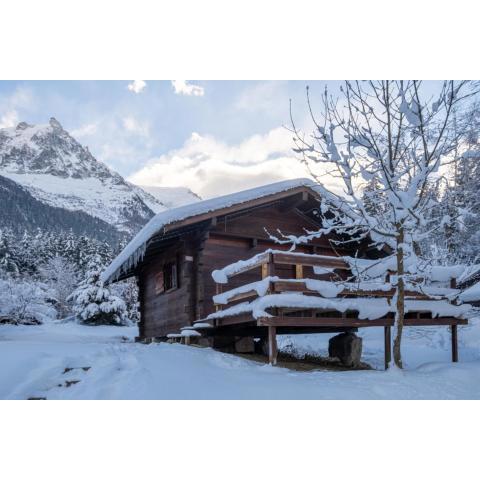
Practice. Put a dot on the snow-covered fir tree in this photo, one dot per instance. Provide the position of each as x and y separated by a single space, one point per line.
94 303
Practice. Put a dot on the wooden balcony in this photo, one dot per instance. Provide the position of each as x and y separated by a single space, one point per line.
337 312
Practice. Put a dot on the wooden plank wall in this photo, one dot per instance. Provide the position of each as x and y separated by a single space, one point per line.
228 240
167 312
220 250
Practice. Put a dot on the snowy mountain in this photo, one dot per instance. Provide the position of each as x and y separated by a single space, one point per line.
172 197
22 212
58 171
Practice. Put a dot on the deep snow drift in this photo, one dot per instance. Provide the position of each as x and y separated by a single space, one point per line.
45 361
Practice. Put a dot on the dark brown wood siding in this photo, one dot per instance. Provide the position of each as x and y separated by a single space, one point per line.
226 240
167 312
231 240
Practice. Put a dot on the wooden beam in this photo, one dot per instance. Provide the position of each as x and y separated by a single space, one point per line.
234 320
454 343
425 322
310 261
276 321
272 345
388 345
242 296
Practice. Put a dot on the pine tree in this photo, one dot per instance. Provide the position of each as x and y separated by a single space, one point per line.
94 303
8 257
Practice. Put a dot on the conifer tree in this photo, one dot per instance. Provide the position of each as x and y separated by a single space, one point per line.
94 303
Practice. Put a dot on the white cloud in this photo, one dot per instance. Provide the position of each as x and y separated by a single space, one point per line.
10 105
85 130
211 167
136 127
264 97
9 119
137 86
182 87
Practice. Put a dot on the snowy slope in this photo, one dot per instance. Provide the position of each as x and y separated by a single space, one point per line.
60 172
42 359
172 197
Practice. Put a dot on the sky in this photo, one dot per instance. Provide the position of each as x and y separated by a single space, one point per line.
214 137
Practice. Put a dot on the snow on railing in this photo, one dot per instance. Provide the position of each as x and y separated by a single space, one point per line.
367 308
281 257
371 297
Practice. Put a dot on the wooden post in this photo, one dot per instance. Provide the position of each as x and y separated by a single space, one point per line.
454 343
298 271
268 269
219 289
388 345
272 345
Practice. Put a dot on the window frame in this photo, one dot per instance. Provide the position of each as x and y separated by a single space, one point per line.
170 274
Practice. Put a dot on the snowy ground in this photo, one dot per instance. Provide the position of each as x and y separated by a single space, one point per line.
34 360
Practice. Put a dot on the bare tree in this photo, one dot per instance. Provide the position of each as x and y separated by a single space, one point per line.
62 275
388 131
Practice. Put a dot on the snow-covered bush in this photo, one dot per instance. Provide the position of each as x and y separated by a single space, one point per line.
128 291
94 303
24 301
61 275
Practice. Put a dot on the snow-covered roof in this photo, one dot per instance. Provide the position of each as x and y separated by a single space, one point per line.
135 250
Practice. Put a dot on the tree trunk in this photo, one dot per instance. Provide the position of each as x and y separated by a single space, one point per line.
400 315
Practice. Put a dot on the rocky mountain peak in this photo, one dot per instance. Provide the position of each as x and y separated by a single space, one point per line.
58 171
54 123
48 149
23 126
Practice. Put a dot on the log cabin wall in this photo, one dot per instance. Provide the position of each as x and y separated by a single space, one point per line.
166 312
210 246
239 237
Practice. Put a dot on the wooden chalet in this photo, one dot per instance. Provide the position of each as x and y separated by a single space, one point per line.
174 255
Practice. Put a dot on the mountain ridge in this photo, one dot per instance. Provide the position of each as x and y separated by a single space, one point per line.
55 169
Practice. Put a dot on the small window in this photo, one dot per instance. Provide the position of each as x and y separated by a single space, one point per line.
170 276
159 283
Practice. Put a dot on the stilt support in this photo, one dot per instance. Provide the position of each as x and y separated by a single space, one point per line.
454 343
388 345
272 345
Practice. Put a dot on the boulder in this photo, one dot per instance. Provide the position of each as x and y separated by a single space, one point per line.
244 345
204 341
347 347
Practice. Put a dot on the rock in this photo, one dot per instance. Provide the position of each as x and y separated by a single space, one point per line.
204 341
244 345
223 343
347 347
